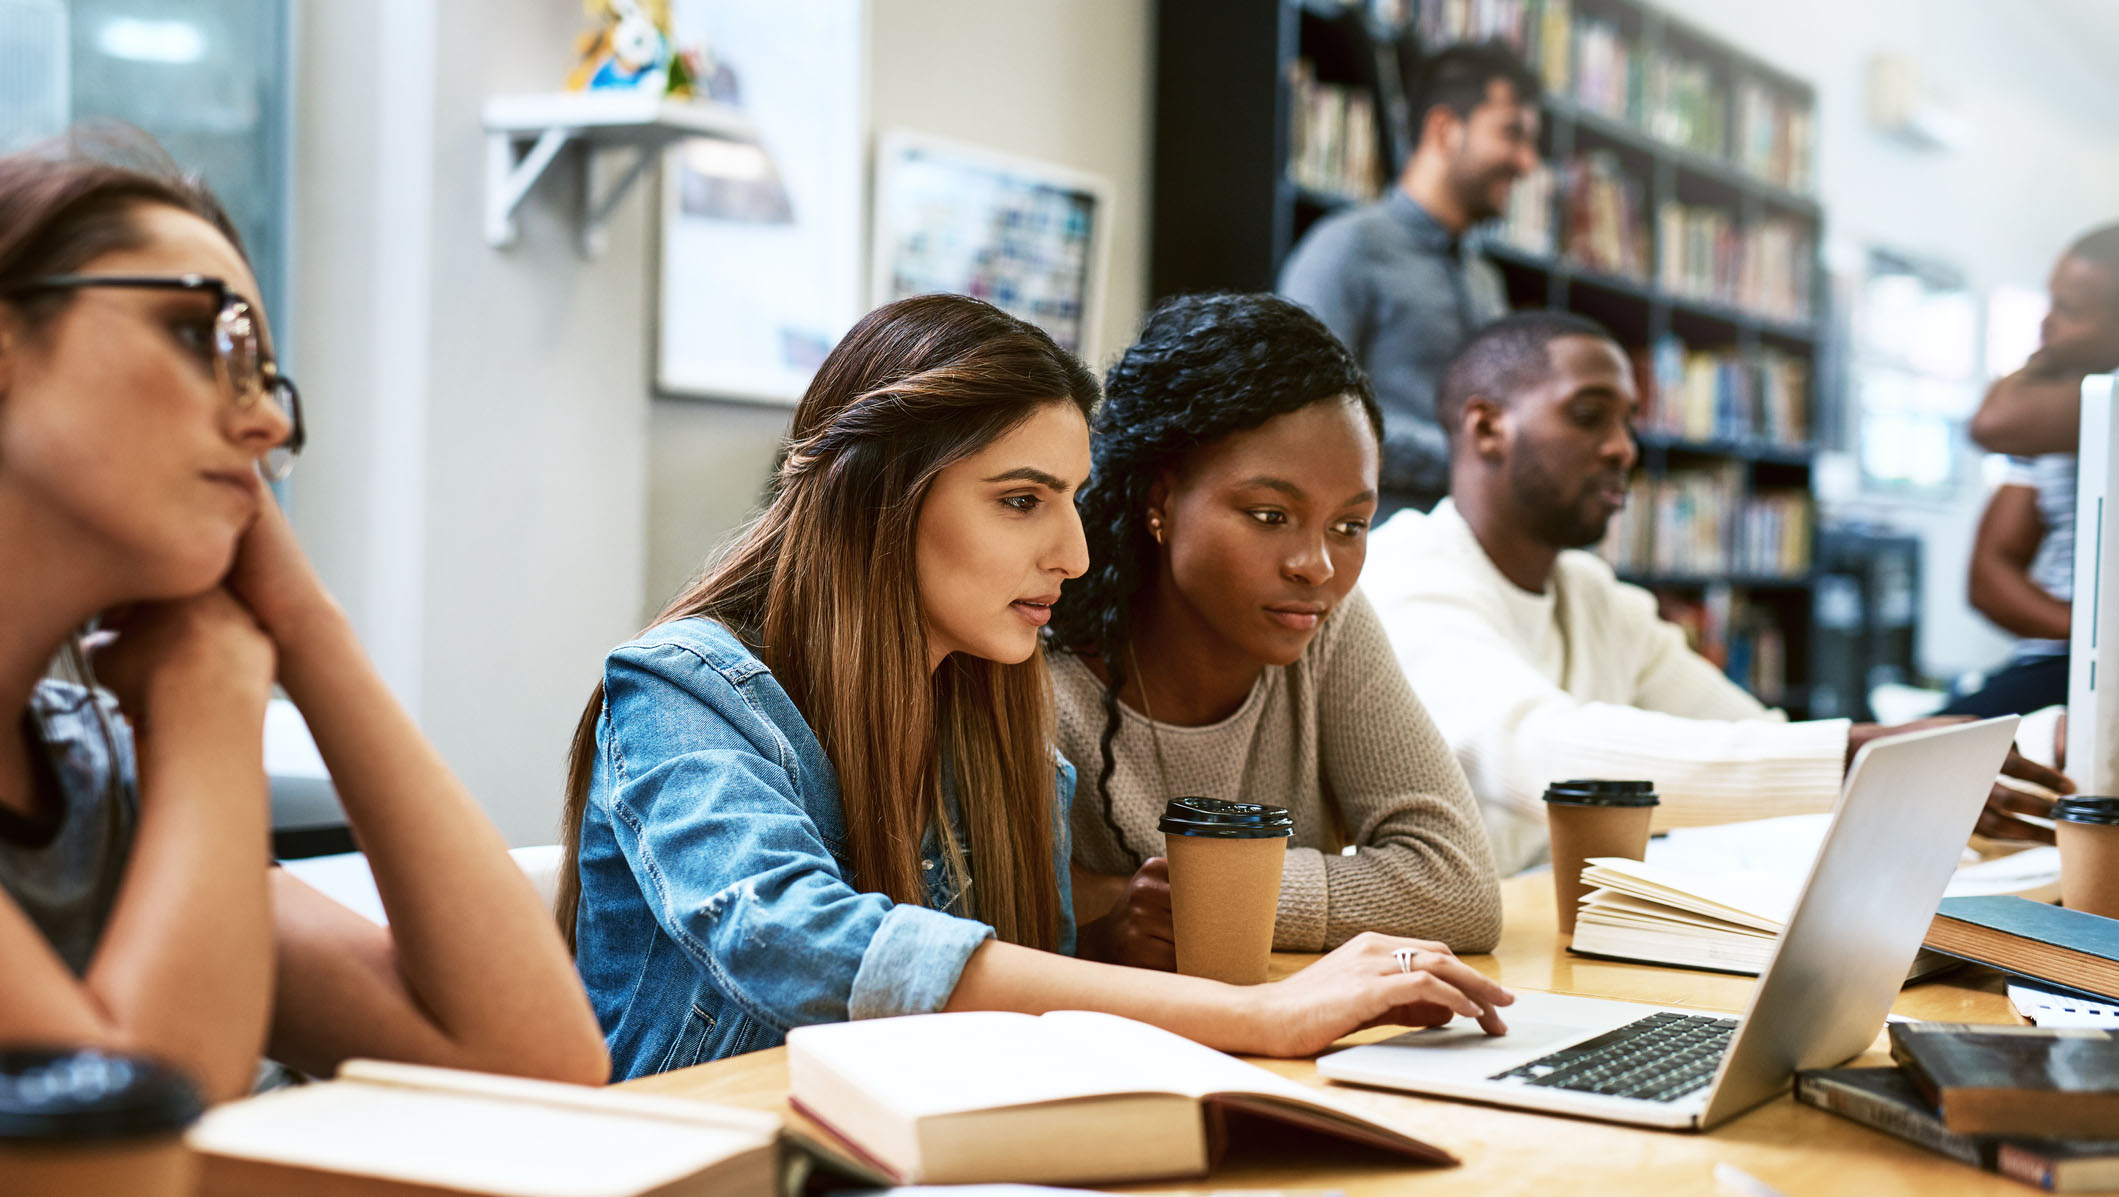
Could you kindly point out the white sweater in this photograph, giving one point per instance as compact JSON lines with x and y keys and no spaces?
{"x":1584,"y":680}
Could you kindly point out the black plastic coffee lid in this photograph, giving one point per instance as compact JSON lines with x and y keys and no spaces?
{"x":2084,"y":808}
{"x":1600,"y":792}
{"x":1216,"y":819}
{"x":63,"y":1095}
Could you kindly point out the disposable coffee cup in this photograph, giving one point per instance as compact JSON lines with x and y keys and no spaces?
{"x":2087,"y":830}
{"x":90,"y":1124}
{"x":1593,"y":818}
{"x":1225,"y":860}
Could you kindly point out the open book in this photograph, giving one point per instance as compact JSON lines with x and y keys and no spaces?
{"x":389,"y":1130}
{"x":1717,"y":897}
{"x":1069,"y":1097}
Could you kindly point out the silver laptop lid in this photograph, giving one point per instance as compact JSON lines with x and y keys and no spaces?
{"x":1903,"y":817}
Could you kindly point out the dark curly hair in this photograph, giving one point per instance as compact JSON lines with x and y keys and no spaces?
{"x":1205,"y":366}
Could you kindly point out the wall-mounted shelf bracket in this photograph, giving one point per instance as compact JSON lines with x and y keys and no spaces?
{"x":525,"y":135}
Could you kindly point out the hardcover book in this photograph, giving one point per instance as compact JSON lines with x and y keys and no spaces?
{"x":2052,"y":1082}
{"x":1071,"y":1097}
{"x":2047,"y":943}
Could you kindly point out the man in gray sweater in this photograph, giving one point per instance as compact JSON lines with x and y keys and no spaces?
{"x":1395,"y":280}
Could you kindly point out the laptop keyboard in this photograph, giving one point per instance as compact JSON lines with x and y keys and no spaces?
{"x":1661,"y":1057}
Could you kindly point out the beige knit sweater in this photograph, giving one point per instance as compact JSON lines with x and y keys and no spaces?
{"x":1339,"y":740}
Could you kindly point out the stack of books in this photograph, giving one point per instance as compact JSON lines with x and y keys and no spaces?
{"x":1332,"y":139}
{"x":2037,"y":1104}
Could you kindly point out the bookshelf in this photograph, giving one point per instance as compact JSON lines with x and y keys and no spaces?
{"x":1673,"y":206}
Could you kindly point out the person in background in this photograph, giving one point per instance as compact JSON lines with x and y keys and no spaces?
{"x":822,"y":785}
{"x":139,"y":397}
{"x":1218,"y":645}
{"x":1538,"y":663}
{"x":1395,"y":279}
{"x":2023,"y":559}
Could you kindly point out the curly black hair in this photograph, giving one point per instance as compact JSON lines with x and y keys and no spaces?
{"x":1205,"y":366}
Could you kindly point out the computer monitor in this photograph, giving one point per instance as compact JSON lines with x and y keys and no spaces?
{"x":2093,"y":628}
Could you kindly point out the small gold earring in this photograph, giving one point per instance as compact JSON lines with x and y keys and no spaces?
{"x":1155,"y":528}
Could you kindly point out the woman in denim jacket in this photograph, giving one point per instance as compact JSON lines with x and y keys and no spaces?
{"x":780,"y":795}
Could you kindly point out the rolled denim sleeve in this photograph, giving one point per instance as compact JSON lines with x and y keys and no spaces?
{"x":913,"y":962}
{"x":708,"y":812}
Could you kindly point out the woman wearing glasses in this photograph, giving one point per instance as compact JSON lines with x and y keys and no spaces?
{"x":139,"y":406}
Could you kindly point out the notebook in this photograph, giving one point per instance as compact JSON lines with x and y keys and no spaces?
{"x":390,"y":1130}
{"x":1070,"y":1097}
{"x":1717,"y":897}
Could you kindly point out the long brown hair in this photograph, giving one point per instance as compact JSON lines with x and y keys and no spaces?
{"x":822,"y":582}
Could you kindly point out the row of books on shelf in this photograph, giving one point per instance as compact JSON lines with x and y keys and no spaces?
{"x":1775,"y":137}
{"x":1333,"y":144}
{"x":1606,"y":216}
{"x":1761,"y":395}
{"x":1704,"y":522}
{"x":1674,"y":97}
{"x":1539,"y":30}
{"x":2039,"y":1103}
{"x":1764,"y":267}
{"x":1743,"y":639}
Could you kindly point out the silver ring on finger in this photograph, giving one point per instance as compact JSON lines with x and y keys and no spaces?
{"x":1404,"y":957}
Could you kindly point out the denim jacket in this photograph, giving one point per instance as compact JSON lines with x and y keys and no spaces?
{"x":716,"y":910}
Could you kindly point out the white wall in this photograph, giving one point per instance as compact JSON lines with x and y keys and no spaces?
{"x":2039,"y":164}
{"x":1063,"y":81}
{"x":490,"y":490}
{"x":477,"y":493}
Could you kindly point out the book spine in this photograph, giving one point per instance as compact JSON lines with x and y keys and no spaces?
{"x":1882,"y":1114}
{"x":2022,"y":1163}
{"x":1930,"y":1092}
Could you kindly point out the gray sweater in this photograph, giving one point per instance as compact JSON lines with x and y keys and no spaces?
{"x":1339,"y":740}
{"x":1403,"y":294}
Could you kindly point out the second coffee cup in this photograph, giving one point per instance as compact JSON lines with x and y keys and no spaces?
{"x":89,"y":1124}
{"x":1593,"y":818}
{"x":1225,"y":860}
{"x":2087,"y":829}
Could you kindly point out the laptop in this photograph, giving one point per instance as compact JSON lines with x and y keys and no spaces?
{"x":1908,"y":806}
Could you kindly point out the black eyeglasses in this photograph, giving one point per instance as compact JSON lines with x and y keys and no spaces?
{"x":239,"y":355}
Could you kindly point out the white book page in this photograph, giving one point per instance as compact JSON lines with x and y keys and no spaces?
{"x":1180,"y":1065}
{"x":929,"y":1064}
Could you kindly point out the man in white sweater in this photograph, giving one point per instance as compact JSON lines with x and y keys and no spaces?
{"x":1536,"y":662}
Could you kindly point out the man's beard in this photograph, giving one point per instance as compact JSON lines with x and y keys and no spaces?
{"x":1474,"y":189}
{"x":1554,"y":518}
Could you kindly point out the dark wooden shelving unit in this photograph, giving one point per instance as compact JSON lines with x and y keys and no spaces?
{"x":1226,"y":214}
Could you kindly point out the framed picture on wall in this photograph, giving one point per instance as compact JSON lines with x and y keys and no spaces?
{"x":1028,"y":237}
{"x":761,"y":258}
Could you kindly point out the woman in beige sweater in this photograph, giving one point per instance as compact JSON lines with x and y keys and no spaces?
{"x":1217,"y":645}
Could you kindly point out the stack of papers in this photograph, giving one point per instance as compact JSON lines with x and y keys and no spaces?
{"x":1717,"y":897}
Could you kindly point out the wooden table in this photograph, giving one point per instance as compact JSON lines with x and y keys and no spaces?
{"x":1792,"y":1147}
